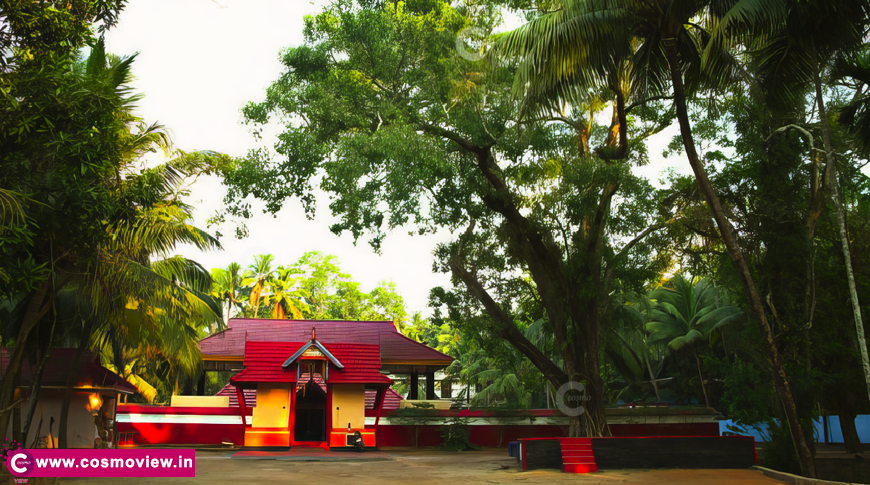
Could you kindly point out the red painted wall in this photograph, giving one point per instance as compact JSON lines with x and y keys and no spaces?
{"x":387,"y":435}
{"x":176,"y":433}
{"x":180,"y":434}
{"x":500,"y":436}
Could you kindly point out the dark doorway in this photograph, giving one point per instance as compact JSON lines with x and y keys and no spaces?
{"x":310,"y":413}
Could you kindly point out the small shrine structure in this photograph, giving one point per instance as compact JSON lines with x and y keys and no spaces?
{"x":312,"y":391}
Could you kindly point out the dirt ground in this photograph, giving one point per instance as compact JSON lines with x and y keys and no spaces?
{"x":419,"y":468}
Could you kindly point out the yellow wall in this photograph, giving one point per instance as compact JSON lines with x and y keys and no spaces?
{"x":350,"y":399}
{"x":201,"y":401}
{"x":273,"y":407}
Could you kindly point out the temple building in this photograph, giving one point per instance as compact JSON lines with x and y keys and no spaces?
{"x":304,"y":383}
{"x":310,"y":382}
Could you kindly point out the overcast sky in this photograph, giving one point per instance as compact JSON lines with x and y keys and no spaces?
{"x":199,"y":62}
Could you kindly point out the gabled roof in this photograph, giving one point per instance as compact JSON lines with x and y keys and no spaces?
{"x":318,"y":346}
{"x":395,"y":348}
{"x":391,"y":399}
{"x":264,"y":363}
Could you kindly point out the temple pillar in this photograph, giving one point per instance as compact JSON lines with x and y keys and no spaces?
{"x":430,"y":386}
{"x":413,"y":394}
{"x":200,"y":385}
{"x":446,"y":389}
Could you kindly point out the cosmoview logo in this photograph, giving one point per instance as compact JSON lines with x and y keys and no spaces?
{"x":20,"y":463}
{"x":570,"y":398}
{"x":471,"y":34}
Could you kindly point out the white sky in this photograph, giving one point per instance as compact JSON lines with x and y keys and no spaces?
{"x":199,"y":63}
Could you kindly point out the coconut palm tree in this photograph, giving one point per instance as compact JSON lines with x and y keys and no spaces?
{"x":258,"y":277}
{"x":628,"y":347}
{"x":12,"y":214}
{"x":227,"y":282}
{"x":855,"y":115}
{"x":136,"y":292}
{"x":687,"y":314}
{"x":578,"y":45}
{"x":285,"y":295}
{"x":790,"y":45}
{"x":140,"y":299}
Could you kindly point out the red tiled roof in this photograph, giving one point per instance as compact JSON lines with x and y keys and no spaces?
{"x":394,"y":347}
{"x":230,"y":390}
{"x":90,"y":372}
{"x":391,"y":400}
{"x":362,"y":364}
{"x":263,"y":362}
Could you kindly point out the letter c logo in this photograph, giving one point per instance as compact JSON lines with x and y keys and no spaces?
{"x":21,"y":463}
{"x":14,"y":463}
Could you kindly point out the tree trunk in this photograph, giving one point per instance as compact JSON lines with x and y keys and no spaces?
{"x":847,"y":417}
{"x":850,"y":433}
{"x":34,"y":312}
{"x":575,"y":427}
{"x":831,"y":179}
{"x":652,"y":379}
{"x":16,"y":411}
{"x":37,"y":379}
{"x":701,"y":376}
{"x":805,"y":457}
{"x":595,"y":418}
{"x":71,"y":382}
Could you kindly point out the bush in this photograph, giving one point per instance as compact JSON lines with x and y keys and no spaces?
{"x":455,"y":435}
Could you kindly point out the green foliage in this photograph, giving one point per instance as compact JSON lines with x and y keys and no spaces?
{"x":87,"y":233}
{"x":455,"y":434}
{"x":314,"y":288}
{"x":746,"y":398}
{"x":686,"y":313}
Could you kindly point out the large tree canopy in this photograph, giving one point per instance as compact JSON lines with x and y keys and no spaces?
{"x":400,"y":129}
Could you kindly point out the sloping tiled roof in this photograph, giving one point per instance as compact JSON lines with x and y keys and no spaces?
{"x":391,"y":400}
{"x":263,"y":361}
{"x":230,"y":390}
{"x":90,"y":372}
{"x":394,"y":347}
{"x":362,"y":364}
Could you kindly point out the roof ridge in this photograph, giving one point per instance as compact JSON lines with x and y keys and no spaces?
{"x":287,"y":320}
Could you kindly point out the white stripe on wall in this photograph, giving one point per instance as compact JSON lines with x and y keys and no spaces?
{"x":181,"y":419}
{"x":477,"y":421}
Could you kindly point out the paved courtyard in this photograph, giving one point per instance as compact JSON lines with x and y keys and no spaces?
{"x":415,"y":467}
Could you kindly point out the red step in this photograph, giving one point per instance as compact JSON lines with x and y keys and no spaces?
{"x":577,"y":455}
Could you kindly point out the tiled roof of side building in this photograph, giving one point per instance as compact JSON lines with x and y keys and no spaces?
{"x":394,"y":347}
{"x":90,"y":372}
